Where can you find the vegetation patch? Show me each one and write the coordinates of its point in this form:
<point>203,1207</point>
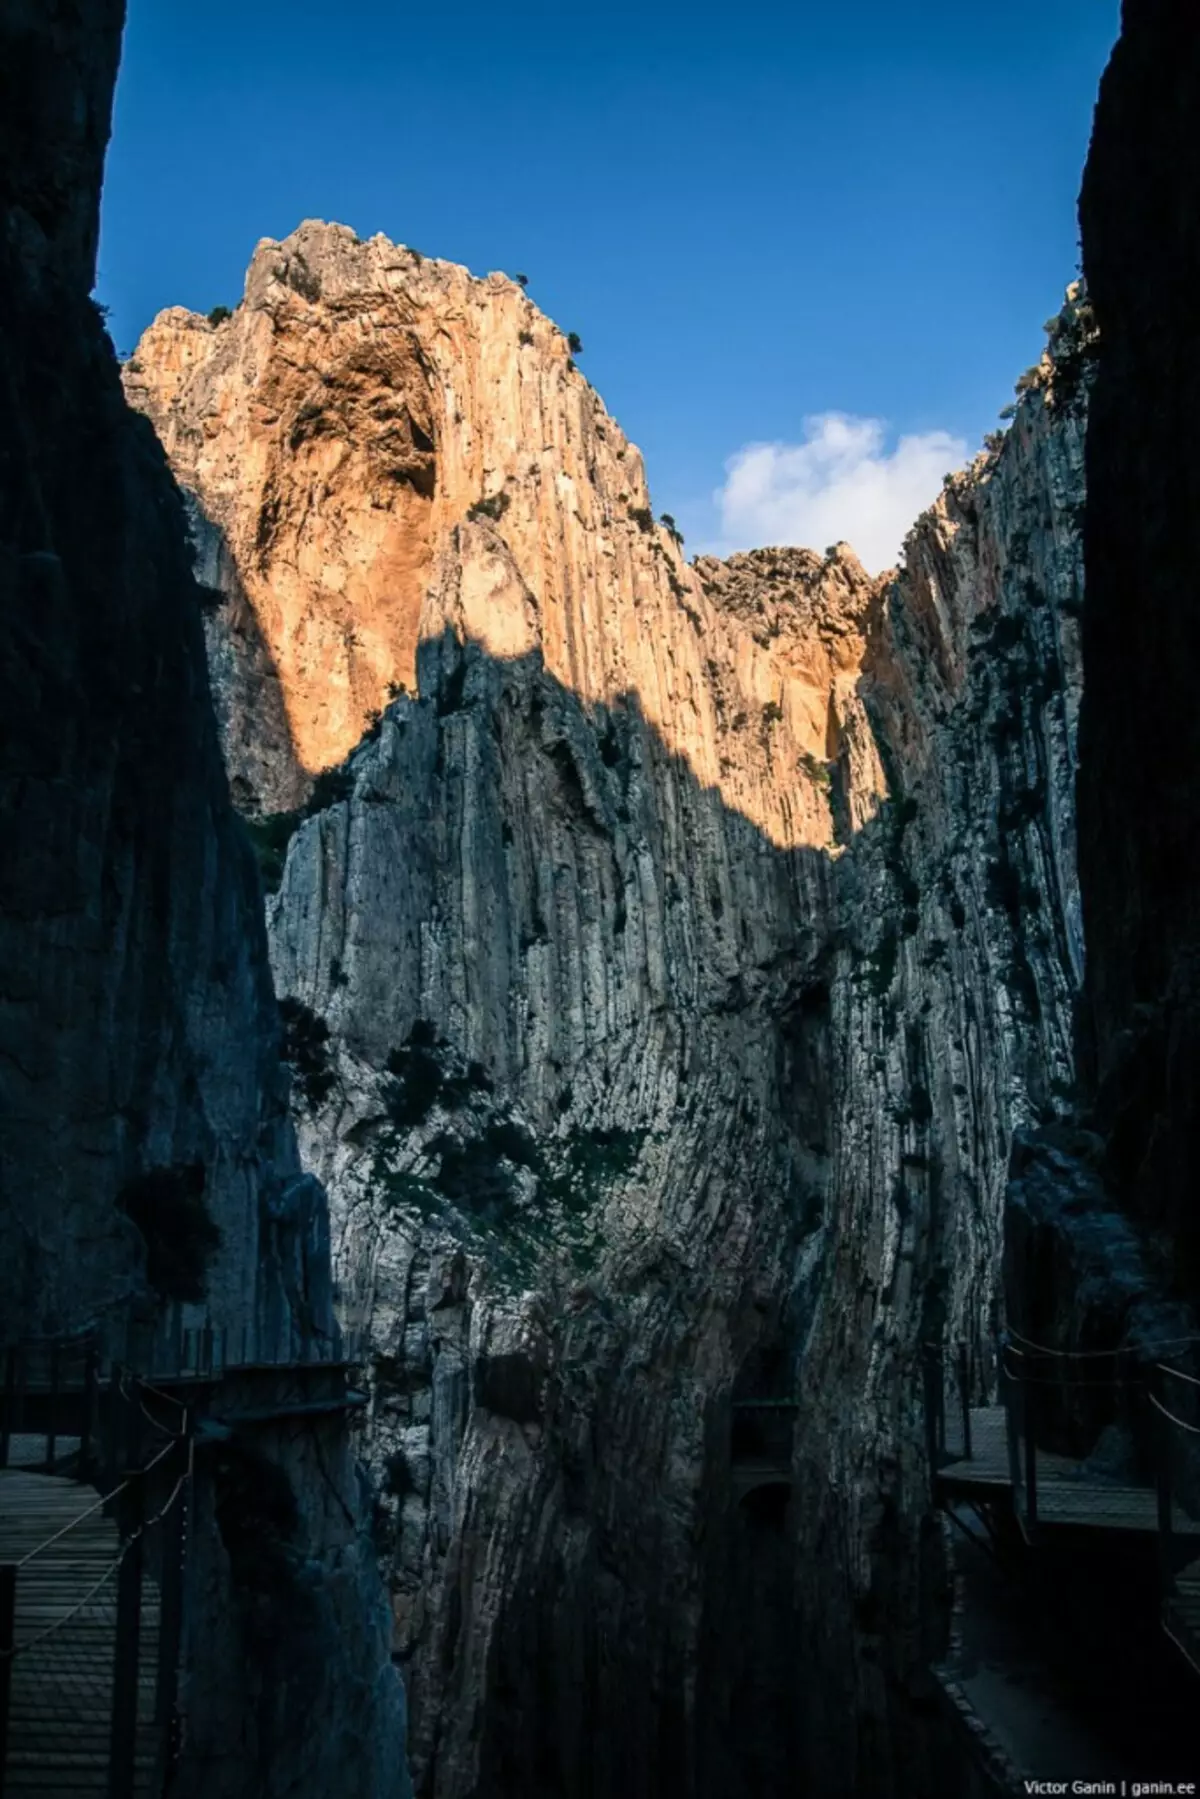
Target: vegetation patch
<point>590,1161</point>
<point>306,1050</point>
<point>271,834</point>
<point>815,769</point>
<point>492,508</point>
<point>478,1175</point>
<point>417,1078</point>
<point>881,963</point>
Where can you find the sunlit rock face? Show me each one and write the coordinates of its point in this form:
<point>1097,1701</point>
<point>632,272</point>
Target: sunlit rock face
<point>354,432</point>
<point>677,953</point>
<point>139,1035</point>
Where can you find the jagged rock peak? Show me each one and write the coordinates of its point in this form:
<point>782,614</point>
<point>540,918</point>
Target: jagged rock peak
<point>381,448</point>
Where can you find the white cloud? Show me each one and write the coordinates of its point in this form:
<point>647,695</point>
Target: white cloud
<point>840,482</point>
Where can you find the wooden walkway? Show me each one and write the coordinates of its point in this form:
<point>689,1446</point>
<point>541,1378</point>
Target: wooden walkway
<point>1181,1613</point>
<point>27,1449</point>
<point>1068,1496</point>
<point>62,1683</point>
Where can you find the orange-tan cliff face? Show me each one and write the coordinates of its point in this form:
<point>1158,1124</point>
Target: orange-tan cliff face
<point>383,446</point>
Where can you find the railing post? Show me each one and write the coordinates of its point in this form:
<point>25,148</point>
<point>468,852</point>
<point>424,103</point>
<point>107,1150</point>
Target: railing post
<point>940,1403</point>
<point>123,1735</point>
<point>87,1422</point>
<point>52,1403</point>
<point>10,1402</point>
<point>174,1551</point>
<point>1008,1389</point>
<point>1162,1482</point>
<point>8,1616</point>
<point>19,1390</point>
<point>1027,1409</point>
<point>112,1448</point>
<point>930,1371</point>
<point>964,1390</point>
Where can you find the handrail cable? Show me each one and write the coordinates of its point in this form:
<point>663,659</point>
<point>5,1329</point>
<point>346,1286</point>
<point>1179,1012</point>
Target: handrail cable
<point>157,1423</point>
<point>102,1501</point>
<point>1081,1355</point>
<point>1171,1418</point>
<point>1115,1382</point>
<point>10,1654</point>
<point>1120,1381</point>
<point>1178,1373</point>
<point>30,1642</point>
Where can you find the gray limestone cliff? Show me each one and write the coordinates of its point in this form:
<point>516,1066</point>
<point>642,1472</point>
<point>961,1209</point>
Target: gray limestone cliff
<point>671,963</point>
<point>140,1076</point>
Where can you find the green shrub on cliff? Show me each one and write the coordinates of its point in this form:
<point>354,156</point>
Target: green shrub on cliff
<point>494,508</point>
<point>588,1161</point>
<point>306,1049</point>
<point>417,1079</point>
<point>269,837</point>
<point>271,833</point>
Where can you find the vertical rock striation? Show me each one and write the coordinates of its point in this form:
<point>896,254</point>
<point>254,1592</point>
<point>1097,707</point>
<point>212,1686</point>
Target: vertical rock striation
<point>139,1054</point>
<point>951,1001</point>
<point>670,963</point>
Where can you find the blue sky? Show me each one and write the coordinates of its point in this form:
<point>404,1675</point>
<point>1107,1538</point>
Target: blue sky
<point>829,231</point>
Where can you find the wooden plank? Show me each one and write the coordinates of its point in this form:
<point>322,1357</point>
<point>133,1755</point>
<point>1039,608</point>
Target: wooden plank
<point>60,1719</point>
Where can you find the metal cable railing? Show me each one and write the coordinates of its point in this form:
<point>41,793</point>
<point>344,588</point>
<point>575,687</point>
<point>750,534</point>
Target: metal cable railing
<point>1084,1355</point>
<point>1046,1395</point>
<point>91,1609</point>
<point>1177,1410</point>
<point>92,1683</point>
<point>949,1389</point>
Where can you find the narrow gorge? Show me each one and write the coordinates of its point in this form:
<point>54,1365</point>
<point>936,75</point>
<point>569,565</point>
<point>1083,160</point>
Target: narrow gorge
<point>670,952</point>
<point>617,1011</point>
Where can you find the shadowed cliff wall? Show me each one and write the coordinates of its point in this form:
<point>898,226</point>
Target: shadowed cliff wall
<point>1140,728</point>
<point>138,1028</point>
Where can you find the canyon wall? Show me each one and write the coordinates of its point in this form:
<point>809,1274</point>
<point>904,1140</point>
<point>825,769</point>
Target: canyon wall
<point>1138,851</point>
<point>1102,1240</point>
<point>668,964</point>
<point>144,1118</point>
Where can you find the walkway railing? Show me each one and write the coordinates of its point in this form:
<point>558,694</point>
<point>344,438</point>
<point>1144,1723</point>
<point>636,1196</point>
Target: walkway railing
<point>949,1391</point>
<point>48,1403</point>
<point>91,1594</point>
<point>1177,1408</point>
<point>60,1397</point>
<point>91,1610</point>
<point>1046,1394</point>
